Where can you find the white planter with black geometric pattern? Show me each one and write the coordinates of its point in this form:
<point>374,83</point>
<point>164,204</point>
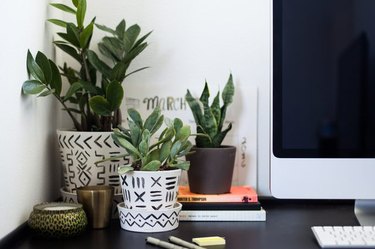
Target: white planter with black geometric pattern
<point>79,153</point>
<point>149,221</point>
<point>150,190</point>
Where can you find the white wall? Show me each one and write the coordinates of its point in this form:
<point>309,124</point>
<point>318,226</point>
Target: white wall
<point>194,40</point>
<point>29,174</point>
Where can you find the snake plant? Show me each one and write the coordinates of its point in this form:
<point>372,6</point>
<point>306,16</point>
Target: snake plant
<point>210,118</point>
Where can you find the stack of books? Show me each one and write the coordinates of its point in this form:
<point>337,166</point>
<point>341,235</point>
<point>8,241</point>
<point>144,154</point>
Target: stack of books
<point>241,204</point>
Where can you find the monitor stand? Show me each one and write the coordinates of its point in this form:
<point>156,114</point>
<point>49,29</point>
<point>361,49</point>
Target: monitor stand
<point>364,210</point>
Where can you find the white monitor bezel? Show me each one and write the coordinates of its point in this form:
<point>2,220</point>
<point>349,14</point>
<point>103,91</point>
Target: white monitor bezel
<point>318,178</point>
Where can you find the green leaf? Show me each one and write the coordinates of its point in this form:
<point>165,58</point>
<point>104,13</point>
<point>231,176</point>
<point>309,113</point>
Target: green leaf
<point>165,150</point>
<point>177,124</point>
<point>131,36</point>
<point>89,87</point>
<point>124,169</point>
<point>136,71</point>
<point>81,12</point>
<point>115,94</point>
<point>184,165</point>
<point>175,149</point>
<point>86,35</point>
<point>215,108</point>
<point>146,135</point>
<point>203,140</point>
<point>195,107</point>
<point>134,53</point>
<point>46,93</point>
<point>63,7</point>
<point>185,148</point>
<point>152,119</point>
<point>218,139</point>
<point>205,95</point>
<point>44,65</point>
<point>143,147</point>
<point>115,47</point>
<point>120,29</point>
<point>208,122</point>
<point>34,69</point>
<point>107,52</point>
<point>100,106</point>
<point>71,35</point>
<point>152,166</point>
<point>69,50</point>
<point>58,22</point>
<point>153,155</point>
<point>124,133</point>
<point>227,97</point>
<point>168,134</point>
<point>33,87</point>
<point>135,133</point>
<point>98,64</point>
<point>136,117</point>
<point>157,125</point>
<point>56,83</point>
<point>72,90</point>
<point>228,91</point>
<point>183,133</point>
<point>75,2</point>
<point>143,38</point>
<point>106,29</point>
<point>118,72</point>
<point>125,144</point>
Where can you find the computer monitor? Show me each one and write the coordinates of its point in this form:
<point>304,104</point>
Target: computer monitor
<point>323,100</point>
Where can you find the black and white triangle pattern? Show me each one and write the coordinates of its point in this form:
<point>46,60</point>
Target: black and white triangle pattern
<point>149,221</point>
<point>77,140</point>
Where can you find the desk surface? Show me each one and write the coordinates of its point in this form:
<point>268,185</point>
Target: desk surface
<point>287,226</point>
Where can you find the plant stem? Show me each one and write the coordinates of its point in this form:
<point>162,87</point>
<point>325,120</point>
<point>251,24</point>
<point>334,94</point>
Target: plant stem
<point>77,125</point>
<point>88,78</point>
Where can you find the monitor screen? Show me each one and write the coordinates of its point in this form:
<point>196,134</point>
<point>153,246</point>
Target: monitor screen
<point>324,78</point>
<point>323,99</point>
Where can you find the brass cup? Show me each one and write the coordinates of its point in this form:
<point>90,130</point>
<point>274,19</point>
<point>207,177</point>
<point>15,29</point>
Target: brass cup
<point>97,203</point>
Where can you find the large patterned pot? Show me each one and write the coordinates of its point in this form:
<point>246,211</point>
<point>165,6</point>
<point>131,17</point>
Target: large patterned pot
<point>80,152</point>
<point>150,190</point>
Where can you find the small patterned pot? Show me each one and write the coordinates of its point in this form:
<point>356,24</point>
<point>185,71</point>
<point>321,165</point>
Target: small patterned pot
<point>150,190</point>
<point>149,221</point>
<point>58,219</point>
<point>80,152</point>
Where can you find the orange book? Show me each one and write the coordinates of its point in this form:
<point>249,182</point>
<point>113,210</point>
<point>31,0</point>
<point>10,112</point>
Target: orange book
<point>237,194</point>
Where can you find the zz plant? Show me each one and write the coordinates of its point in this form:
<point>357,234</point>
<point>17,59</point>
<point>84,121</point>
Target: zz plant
<point>210,118</point>
<point>147,152</point>
<point>95,88</point>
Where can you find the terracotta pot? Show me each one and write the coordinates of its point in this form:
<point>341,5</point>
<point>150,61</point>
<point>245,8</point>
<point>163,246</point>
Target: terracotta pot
<point>211,169</point>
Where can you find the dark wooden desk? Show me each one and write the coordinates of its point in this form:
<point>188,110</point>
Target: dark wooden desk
<point>287,226</point>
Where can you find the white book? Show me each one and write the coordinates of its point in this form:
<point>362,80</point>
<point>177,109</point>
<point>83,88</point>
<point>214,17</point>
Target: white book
<point>223,215</point>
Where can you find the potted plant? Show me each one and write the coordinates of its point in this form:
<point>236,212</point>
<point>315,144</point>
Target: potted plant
<point>94,94</point>
<point>150,182</point>
<point>212,164</point>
